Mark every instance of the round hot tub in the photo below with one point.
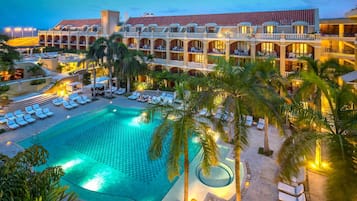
(220, 176)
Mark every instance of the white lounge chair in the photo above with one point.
(292, 190)
(81, 101)
(203, 112)
(73, 96)
(249, 120)
(85, 98)
(120, 91)
(10, 116)
(18, 113)
(134, 96)
(287, 197)
(36, 107)
(21, 121)
(40, 114)
(47, 112)
(3, 120)
(29, 110)
(11, 124)
(154, 100)
(218, 114)
(261, 124)
(67, 105)
(29, 118)
(74, 104)
(57, 101)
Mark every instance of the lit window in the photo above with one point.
(299, 29)
(300, 48)
(198, 58)
(244, 29)
(269, 29)
(267, 47)
(220, 45)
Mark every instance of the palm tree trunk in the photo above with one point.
(318, 153)
(128, 83)
(186, 171)
(266, 137)
(110, 82)
(94, 82)
(237, 172)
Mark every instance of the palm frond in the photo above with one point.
(294, 151)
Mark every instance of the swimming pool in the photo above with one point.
(104, 155)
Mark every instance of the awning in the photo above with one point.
(350, 77)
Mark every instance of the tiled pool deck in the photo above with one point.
(263, 170)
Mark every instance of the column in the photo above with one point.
(317, 52)
(152, 40)
(252, 50)
(69, 40)
(185, 52)
(60, 40)
(340, 42)
(77, 41)
(87, 42)
(282, 60)
(355, 51)
(205, 50)
(46, 38)
(227, 50)
(53, 40)
(168, 58)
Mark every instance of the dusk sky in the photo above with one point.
(45, 14)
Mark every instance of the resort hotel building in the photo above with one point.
(187, 43)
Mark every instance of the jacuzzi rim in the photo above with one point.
(221, 165)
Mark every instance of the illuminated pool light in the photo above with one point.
(94, 184)
(136, 121)
(68, 165)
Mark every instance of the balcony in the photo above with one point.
(195, 65)
(175, 63)
(160, 48)
(159, 61)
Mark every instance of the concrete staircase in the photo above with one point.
(21, 104)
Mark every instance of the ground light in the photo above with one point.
(323, 167)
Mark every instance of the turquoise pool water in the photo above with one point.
(104, 155)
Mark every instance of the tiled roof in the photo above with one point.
(81, 22)
(230, 19)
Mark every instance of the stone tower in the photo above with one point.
(109, 20)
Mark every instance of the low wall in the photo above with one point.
(21, 87)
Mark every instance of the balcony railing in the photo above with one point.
(223, 36)
(160, 61)
(175, 63)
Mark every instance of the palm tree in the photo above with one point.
(181, 125)
(266, 80)
(8, 55)
(93, 57)
(329, 71)
(243, 90)
(133, 64)
(20, 182)
(338, 127)
(108, 49)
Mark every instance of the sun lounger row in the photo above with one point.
(291, 193)
(73, 101)
(19, 118)
(249, 122)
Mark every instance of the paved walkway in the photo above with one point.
(263, 170)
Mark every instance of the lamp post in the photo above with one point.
(10, 30)
(19, 29)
